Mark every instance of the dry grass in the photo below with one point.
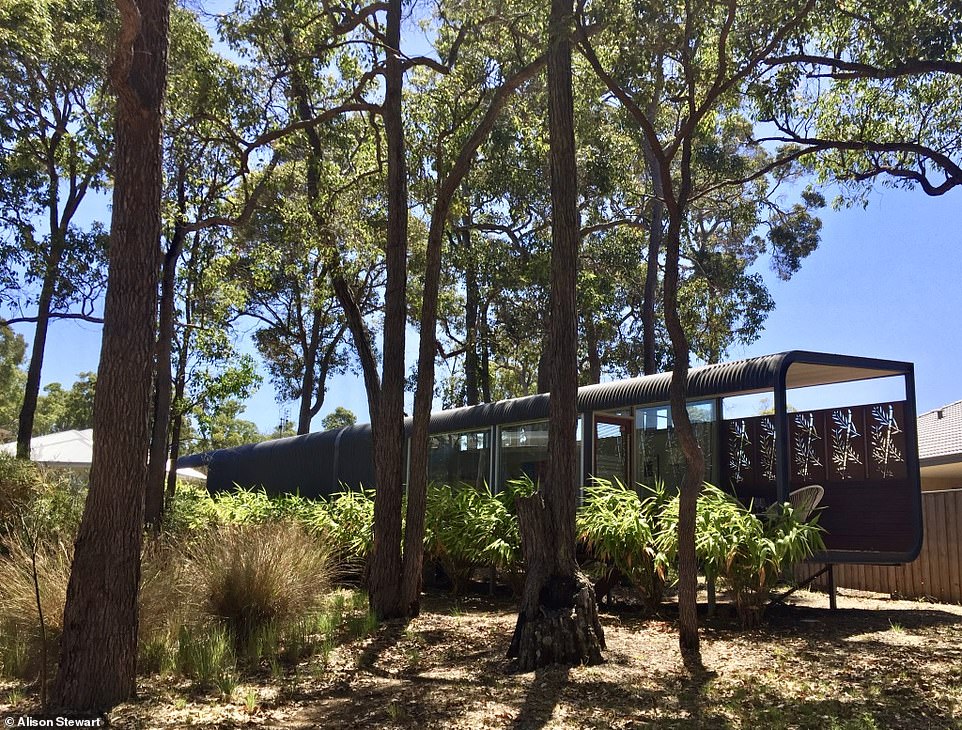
(252, 576)
(20, 633)
(18, 604)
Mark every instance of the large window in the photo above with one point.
(524, 451)
(659, 455)
(460, 458)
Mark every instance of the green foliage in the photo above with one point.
(206, 655)
(759, 549)
(338, 418)
(12, 380)
(347, 520)
(54, 148)
(468, 528)
(64, 410)
(626, 530)
(21, 482)
(221, 427)
(748, 552)
(191, 510)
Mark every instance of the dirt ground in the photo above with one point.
(873, 663)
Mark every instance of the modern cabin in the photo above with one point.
(768, 425)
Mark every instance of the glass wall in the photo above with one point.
(524, 451)
(659, 455)
(460, 458)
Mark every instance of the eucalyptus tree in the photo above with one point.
(62, 409)
(98, 647)
(208, 371)
(340, 417)
(875, 91)
(282, 269)
(210, 182)
(54, 149)
(558, 616)
(500, 247)
(464, 103)
(706, 55)
(322, 63)
(223, 428)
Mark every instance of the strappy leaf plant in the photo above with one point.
(623, 528)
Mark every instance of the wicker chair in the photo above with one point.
(805, 500)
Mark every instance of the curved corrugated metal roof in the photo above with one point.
(742, 376)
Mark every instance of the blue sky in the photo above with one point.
(885, 282)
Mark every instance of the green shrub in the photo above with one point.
(450, 535)
(468, 528)
(255, 506)
(747, 551)
(250, 576)
(21, 482)
(502, 550)
(759, 549)
(191, 510)
(622, 529)
(205, 655)
(47, 502)
(346, 521)
(56, 513)
(155, 656)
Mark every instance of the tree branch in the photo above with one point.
(848, 70)
(54, 315)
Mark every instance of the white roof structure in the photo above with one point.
(65, 449)
(74, 450)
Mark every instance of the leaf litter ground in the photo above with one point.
(874, 663)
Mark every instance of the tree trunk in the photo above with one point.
(651, 286)
(558, 619)
(309, 383)
(591, 343)
(177, 419)
(694, 459)
(485, 359)
(447, 185)
(99, 641)
(385, 579)
(545, 366)
(656, 234)
(31, 394)
(472, 305)
(160, 428)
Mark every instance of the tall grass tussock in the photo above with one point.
(252, 575)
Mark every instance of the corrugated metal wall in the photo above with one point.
(936, 574)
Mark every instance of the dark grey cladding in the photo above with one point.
(313, 465)
(322, 463)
